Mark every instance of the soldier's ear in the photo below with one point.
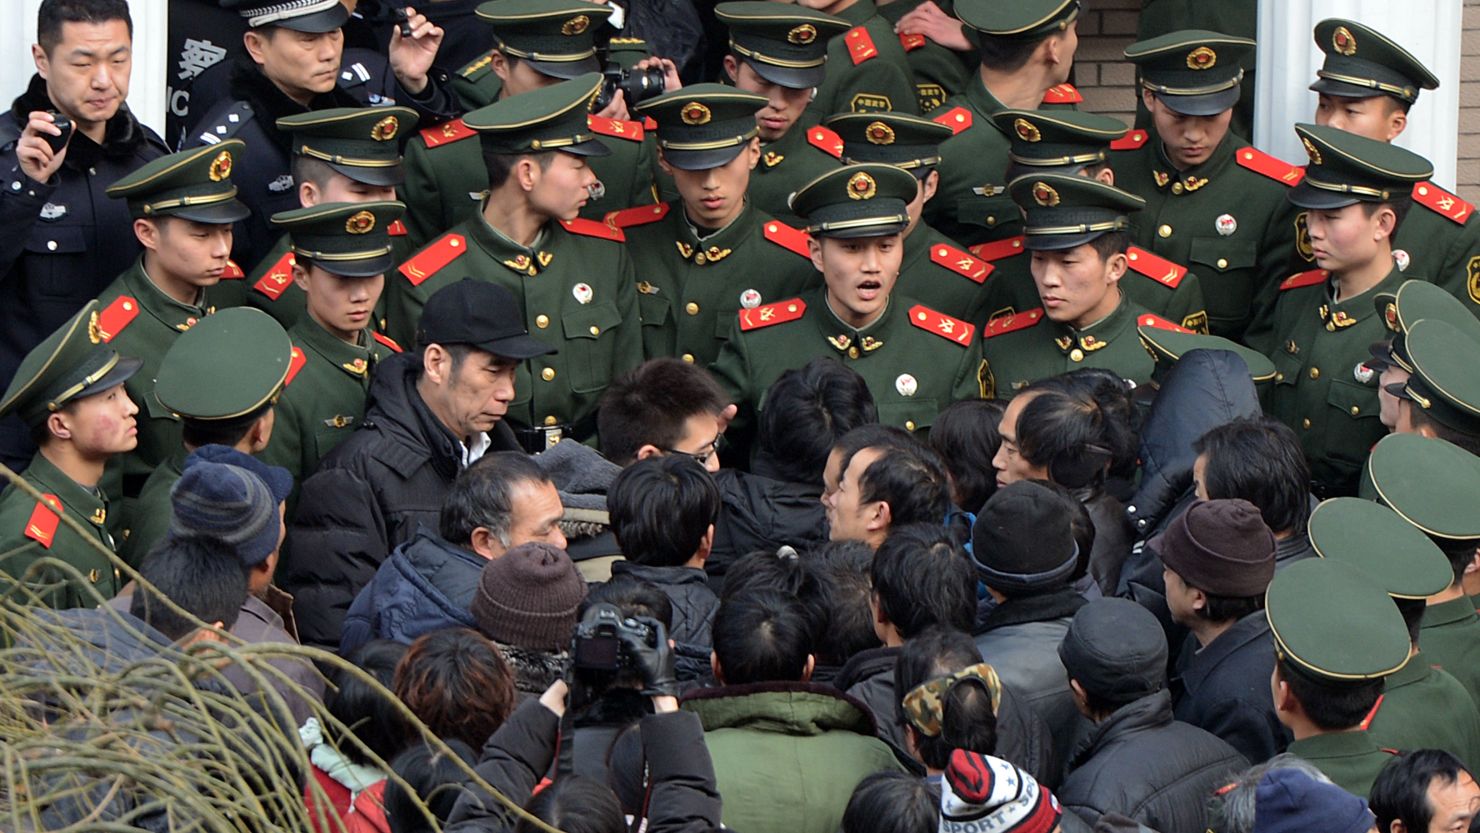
(56, 423)
(300, 276)
(732, 68)
(1116, 265)
(814, 250)
(753, 151)
(663, 162)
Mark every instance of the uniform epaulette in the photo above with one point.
(998, 249)
(951, 329)
(354, 75)
(1062, 94)
(632, 131)
(1131, 140)
(1012, 322)
(649, 123)
(41, 527)
(637, 215)
(912, 42)
(1155, 267)
(295, 363)
(431, 259)
(446, 133)
(116, 317)
(766, 315)
(956, 118)
(1310, 278)
(1273, 167)
(787, 237)
(826, 141)
(860, 45)
(1147, 319)
(277, 278)
(232, 272)
(1441, 202)
(593, 228)
(960, 262)
(396, 229)
(230, 122)
(386, 340)
(477, 68)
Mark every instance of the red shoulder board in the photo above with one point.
(860, 46)
(295, 364)
(956, 118)
(1131, 140)
(616, 128)
(1147, 319)
(998, 249)
(278, 277)
(649, 123)
(639, 215)
(1155, 267)
(768, 314)
(593, 228)
(1012, 322)
(1276, 169)
(1436, 199)
(948, 328)
(387, 341)
(960, 262)
(912, 42)
(787, 237)
(233, 272)
(1062, 94)
(826, 141)
(1310, 278)
(116, 317)
(446, 133)
(396, 229)
(42, 525)
(428, 261)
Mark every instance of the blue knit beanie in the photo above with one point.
(221, 499)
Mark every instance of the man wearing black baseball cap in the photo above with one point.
(432, 412)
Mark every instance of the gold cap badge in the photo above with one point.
(220, 166)
(802, 35)
(861, 186)
(1311, 151)
(879, 133)
(1026, 130)
(1045, 195)
(1343, 41)
(360, 222)
(695, 113)
(385, 129)
(1201, 58)
(576, 25)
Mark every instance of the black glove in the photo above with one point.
(654, 662)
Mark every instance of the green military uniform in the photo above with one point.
(916, 360)
(575, 276)
(1331, 623)
(1226, 217)
(691, 286)
(937, 72)
(221, 373)
(1233, 17)
(361, 143)
(1422, 707)
(867, 68)
(1325, 389)
(71, 364)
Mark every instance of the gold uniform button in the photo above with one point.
(1279, 377)
(691, 308)
(547, 374)
(909, 425)
(1222, 263)
(852, 352)
(92, 575)
(1177, 188)
(1356, 410)
(1315, 373)
(595, 330)
(1076, 355)
(1164, 230)
(688, 357)
(551, 420)
(1305, 423)
(542, 321)
(991, 221)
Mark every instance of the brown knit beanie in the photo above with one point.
(528, 598)
(1221, 547)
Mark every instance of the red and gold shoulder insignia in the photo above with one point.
(769, 314)
(1131, 140)
(446, 133)
(1012, 322)
(1147, 319)
(396, 229)
(1441, 202)
(938, 323)
(1310, 278)
(593, 228)
(1273, 167)
(956, 118)
(649, 123)
(860, 46)
(998, 249)
(638, 215)
(616, 128)
(41, 527)
(232, 272)
(429, 260)
(787, 237)
(912, 42)
(116, 317)
(1155, 267)
(386, 340)
(295, 364)
(279, 276)
(1062, 94)
(960, 262)
(826, 141)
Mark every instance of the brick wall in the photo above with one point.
(1468, 172)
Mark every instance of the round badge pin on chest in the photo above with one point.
(750, 299)
(1225, 224)
(1363, 374)
(582, 293)
(906, 385)
(1401, 258)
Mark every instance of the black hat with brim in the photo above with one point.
(313, 17)
(1346, 169)
(482, 315)
(783, 43)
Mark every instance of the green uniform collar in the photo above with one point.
(1416, 671)
(1451, 612)
(1100, 334)
(353, 360)
(859, 13)
(173, 314)
(81, 502)
(849, 342)
(1351, 311)
(718, 245)
(982, 101)
(1334, 745)
(1167, 178)
(518, 259)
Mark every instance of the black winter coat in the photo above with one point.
(759, 513)
(1224, 689)
(694, 606)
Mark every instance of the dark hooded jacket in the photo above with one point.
(760, 513)
(425, 585)
(694, 606)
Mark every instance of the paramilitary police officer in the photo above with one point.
(1415, 300)
(539, 43)
(69, 392)
(348, 154)
(702, 257)
(867, 69)
(937, 71)
(1076, 229)
(569, 274)
(1336, 636)
(1026, 49)
(1212, 202)
(780, 51)
(342, 254)
(183, 207)
(1356, 190)
(221, 377)
(916, 360)
(1423, 706)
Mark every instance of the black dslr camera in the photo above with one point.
(597, 645)
(637, 86)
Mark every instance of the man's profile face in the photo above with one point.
(87, 70)
(847, 513)
(1453, 804)
(536, 514)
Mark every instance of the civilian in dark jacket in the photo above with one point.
(430, 413)
(1138, 761)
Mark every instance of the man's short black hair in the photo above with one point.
(1003, 54)
(500, 166)
(1069, 432)
(661, 508)
(633, 596)
(922, 578)
(483, 495)
(872, 435)
(650, 404)
(912, 481)
(1258, 460)
(1401, 791)
(1461, 554)
(1421, 418)
(208, 584)
(1229, 608)
(965, 436)
(1400, 207)
(1110, 244)
(761, 636)
(1333, 707)
(309, 169)
(807, 409)
(839, 596)
(967, 718)
(892, 802)
(54, 13)
(228, 432)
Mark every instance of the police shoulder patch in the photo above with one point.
(632, 131)
(593, 228)
(116, 317)
(826, 141)
(1012, 322)
(231, 121)
(1062, 94)
(295, 364)
(860, 45)
(638, 215)
(232, 272)
(787, 237)
(960, 262)
(998, 249)
(1269, 166)
(430, 260)
(1131, 140)
(938, 323)
(478, 67)
(768, 315)
(956, 118)
(1147, 319)
(1441, 202)
(1310, 278)
(386, 340)
(41, 527)
(1155, 267)
(277, 278)
(446, 133)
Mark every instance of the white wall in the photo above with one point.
(1288, 60)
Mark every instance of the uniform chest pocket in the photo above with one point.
(911, 414)
(52, 276)
(1220, 254)
(988, 212)
(1286, 368)
(1355, 400)
(654, 309)
(587, 353)
(326, 436)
